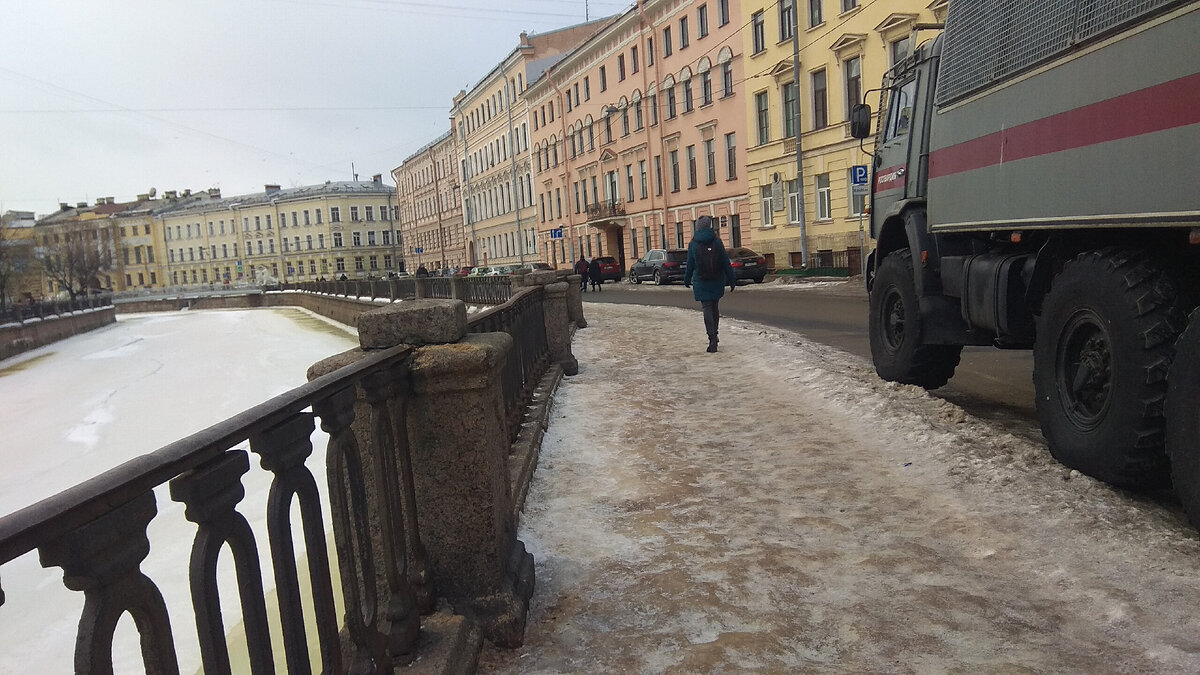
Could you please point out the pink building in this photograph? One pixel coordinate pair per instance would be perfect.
(636, 133)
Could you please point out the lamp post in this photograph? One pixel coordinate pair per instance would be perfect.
(799, 151)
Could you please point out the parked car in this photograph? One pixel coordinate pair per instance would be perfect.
(463, 271)
(610, 269)
(535, 267)
(662, 266)
(480, 271)
(501, 270)
(747, 264)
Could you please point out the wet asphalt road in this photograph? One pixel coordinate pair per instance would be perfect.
(989, 383)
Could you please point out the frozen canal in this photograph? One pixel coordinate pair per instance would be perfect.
(75, 408)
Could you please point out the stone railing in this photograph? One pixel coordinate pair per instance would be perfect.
(48, 309)
(421, 509)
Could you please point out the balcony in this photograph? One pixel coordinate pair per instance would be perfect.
(605, 210)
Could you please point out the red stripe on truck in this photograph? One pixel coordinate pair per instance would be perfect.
(1165, 106)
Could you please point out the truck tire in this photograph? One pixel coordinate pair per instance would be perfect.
(895, 329)
(1105, 339)
(1183, 419)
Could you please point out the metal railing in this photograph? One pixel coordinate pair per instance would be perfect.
(471, 290)
(98, 530)
(20, 313)
(605, 210)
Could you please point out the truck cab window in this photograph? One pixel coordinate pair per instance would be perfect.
(900, 110)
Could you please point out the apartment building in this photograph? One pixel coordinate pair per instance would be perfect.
(19, 273)
(76, 248)
(491, 121)
(637, 133)
(287, 234)
(845, 47)
(430, 206)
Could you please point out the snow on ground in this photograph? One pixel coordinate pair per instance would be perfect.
(777, 507)
(75, 408)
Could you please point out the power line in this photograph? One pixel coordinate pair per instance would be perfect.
(244, 109)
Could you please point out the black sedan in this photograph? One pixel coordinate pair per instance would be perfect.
(747, 264)
(659, 265)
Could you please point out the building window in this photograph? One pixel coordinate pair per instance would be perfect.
(727, 79)
(625, 122)
(671, 103)
(691, 160)
(629, 182)
(370, 212)
(683, 33)
(687, 96)
(787, 19)
(848, 5)
(337, 239)
(824, 202)
(814, 13)
(370, 239)
(650, 51)
(633, 59)
(701, 22)
(705, 88)
(853, 70)
(679, 235)
(653, 109)
(637, 116)
(730, 156)
(620, 67)
(335, 215)
(789, 109)
(658, 183)
(666, 36)
(900, 49)
(318, 217)
(793, 188)
(759, 31)
(722, 12)
(674, 155)
(642, 175)
(820, 107)
(762, 117)
(768, 207)
(710, 161)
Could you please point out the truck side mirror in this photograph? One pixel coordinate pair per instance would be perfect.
(860, 120)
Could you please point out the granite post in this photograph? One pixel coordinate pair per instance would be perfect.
(557, 322)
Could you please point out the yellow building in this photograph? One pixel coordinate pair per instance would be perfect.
(19, 275)
(294, 234)
(845, 47)
(430, 206)
(491, 121)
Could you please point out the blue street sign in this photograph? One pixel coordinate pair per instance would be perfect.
(858, 174)
(556, 233)
(418, 250)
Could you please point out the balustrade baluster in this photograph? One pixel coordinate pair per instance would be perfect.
(352, 532)
(211, 494)
(283, 449)
(103, 559)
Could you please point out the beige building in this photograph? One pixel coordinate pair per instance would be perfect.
(639, 131)
(845, 48)
(20, 276)
(77, 248)
(492, 125)
(293, 234)
(430, 207)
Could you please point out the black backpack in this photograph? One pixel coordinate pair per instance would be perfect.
(708, 261)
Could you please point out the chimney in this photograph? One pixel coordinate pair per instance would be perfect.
(81, 205)
(169, 194)
(99, 201)
(215, 193)
(64, 206)
(187, 193)
(270, 188)
(145, 196)
(110, 200)
(377, 178)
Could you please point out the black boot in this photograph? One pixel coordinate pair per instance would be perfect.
(712, 345)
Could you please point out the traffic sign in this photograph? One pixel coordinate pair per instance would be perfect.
(418, 250)
(859, 174)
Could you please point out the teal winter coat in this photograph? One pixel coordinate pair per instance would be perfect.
(705, 290)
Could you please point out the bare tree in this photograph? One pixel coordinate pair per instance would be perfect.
(16, 258)
(76, 260)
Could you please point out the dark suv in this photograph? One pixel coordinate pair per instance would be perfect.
(661, 265)
(747, 264)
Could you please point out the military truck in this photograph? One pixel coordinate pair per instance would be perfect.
(1036, 185)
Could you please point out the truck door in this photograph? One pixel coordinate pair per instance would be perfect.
(892, 159)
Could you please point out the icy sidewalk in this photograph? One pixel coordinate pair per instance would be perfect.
(775, 507)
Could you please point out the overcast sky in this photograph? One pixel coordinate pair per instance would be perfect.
(103, 98)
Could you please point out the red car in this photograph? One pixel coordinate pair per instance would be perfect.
(610, 269)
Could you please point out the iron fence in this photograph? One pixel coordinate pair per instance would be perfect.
(20, 313)
(98, 530)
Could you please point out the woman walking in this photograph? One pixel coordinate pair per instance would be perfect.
(709, 269)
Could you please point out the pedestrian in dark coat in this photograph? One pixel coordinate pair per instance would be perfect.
(596, 275)
(581, 268)
(708, 292)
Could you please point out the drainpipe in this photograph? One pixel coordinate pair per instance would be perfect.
(512, 153)
(799, 151)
